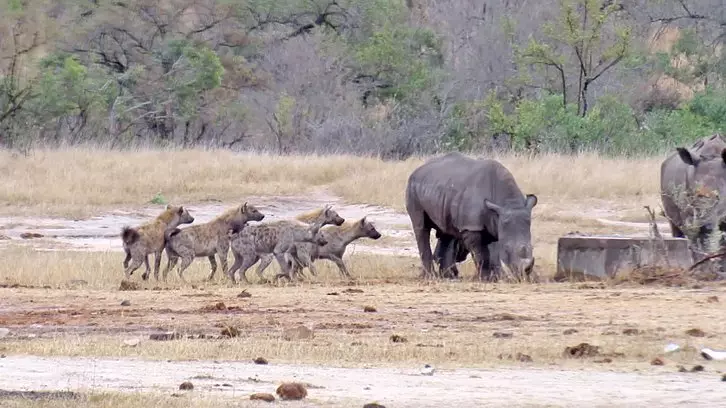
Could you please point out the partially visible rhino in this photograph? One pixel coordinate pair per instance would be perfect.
(449, 251)
(695, 172)
(475, 201)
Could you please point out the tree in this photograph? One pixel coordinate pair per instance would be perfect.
(586, 38)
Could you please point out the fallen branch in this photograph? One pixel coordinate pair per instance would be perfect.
(709, 257)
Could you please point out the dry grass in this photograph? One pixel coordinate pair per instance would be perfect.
(103, 270)
(130, 400)
(81, 181)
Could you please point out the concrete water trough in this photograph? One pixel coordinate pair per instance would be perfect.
(585, 257)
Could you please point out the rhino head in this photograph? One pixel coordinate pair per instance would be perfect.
(706, 184)
(514, 235)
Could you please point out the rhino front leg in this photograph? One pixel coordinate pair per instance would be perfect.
(475, 243)
(422, 232)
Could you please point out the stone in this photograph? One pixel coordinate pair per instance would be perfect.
(262, 396)
(4, 332)
(601, 257)
(292, 391)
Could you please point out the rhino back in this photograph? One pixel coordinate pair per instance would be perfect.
(451, 190)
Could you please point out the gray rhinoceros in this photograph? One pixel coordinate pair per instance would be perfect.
(476, 201)
(695, 173)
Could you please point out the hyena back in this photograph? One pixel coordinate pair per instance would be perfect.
(149, 238)
(338, 238)
(276, 239)
(207, 240)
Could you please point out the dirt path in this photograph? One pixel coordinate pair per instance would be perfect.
(356, 386)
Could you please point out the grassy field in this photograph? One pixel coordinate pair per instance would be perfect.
(65, 303)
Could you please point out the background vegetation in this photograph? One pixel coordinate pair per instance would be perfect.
(388, 77)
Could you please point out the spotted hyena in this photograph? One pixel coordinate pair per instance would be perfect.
(277, 238)
(148, 238)
(338, 238)
(208, 239)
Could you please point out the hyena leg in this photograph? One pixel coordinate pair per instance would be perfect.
(127, 259)
(170, 264)
(135, 264)
(186, 261)
(305, 260)
(157, 264)
(247, 262)
(341, 266)
(235, 266)
(223, 262)
(213, 264)
(265, 261)
(146, 274)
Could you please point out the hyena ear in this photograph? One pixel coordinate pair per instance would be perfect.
(363, 220)
(244, 207)
(169, 206)
(181, 210)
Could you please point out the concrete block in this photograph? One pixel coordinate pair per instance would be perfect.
(582, 257)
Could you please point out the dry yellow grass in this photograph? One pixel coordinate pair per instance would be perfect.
(81, 181)
(131, 400)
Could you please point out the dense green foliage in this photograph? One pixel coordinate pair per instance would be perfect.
(391, 77)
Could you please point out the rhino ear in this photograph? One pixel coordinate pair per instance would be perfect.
(531, 200)
(723, 155)
(491, 206)
(686, 156)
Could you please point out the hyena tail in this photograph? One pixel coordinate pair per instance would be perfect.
(129, 235)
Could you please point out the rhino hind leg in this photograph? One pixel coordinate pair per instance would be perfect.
(446, 253)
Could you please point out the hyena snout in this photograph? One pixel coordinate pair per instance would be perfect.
(374, 234)
(257, 216)
(338, 220)
(320, 240)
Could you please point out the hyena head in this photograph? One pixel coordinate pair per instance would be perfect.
(318, 239)
(367, 229)
(332, 217)
(249, 212)
(181, 215)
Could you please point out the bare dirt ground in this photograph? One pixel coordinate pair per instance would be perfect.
(491, 344)
(331, 386)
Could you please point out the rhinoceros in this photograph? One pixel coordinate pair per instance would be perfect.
(476, 201)
(698, 172)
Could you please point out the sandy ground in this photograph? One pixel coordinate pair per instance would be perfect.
(332, 386)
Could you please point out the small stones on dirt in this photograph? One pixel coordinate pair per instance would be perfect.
(521, 357)
(126, 303)
(30, 235)
(631, 332)
(695, 332)
(244, 294)
(129, 285)
(216, 306)
(260, 360)
(186, 386)
(568, 332)
(353, 290)
(298, 333)
(501, 335)
(373, 405)
(657, 361)
(165, 336)
(369, 309)
(395, 338)
(712, 299)
(604, 360)
(332, 293)
(4, 332)
(4, 237)
(582, 350)
(262, 396)
(694, 369)
(292, 391)
(230, 331)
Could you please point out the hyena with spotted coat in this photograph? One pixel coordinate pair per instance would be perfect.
(277, 238)
(338, 238)
(208, 239)
(149, 238)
